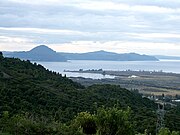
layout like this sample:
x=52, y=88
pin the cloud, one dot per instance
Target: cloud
x=157, y=37
x=14, y=43
x=119, y=47
x=44, y=31
x=63, y=22
x=100, y=5
x=6, y=39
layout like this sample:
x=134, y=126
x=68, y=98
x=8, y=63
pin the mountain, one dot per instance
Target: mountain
x=109, y=56
x=44, y=53
x=39, y=53
x=167, y=57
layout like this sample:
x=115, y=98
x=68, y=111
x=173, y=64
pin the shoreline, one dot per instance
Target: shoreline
x=147, y=82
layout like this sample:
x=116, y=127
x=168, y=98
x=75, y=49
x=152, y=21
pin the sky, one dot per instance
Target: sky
x=143, y=26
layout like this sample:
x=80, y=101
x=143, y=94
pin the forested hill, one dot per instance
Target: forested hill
x=33, y=86
x=30, y=88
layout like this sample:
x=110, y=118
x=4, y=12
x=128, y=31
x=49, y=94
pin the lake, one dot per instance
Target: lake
x=164, y=65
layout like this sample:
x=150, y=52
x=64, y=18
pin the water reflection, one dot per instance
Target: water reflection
x=87, y=75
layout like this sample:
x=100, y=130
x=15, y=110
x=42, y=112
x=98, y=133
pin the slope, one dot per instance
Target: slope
x=32, y=88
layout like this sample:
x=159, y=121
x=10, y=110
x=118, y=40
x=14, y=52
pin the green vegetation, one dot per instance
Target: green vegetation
x=163, y=131
x=34, y=100
x=105, y=121
x=1, y=55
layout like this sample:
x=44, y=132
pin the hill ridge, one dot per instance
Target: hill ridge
x=39, y=53
x=44, y=53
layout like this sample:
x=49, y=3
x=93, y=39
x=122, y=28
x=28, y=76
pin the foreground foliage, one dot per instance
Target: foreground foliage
x=105, y=121
x=33, y=98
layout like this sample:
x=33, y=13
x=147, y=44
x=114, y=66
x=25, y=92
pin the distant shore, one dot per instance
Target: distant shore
x=124, y=72
x=147, y=82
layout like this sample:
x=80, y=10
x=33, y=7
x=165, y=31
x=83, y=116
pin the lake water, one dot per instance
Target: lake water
x=164, y=65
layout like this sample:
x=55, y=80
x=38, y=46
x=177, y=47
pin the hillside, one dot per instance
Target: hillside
x=39, y=53
x=109, y=56
x=28, y=81
x=30, y=88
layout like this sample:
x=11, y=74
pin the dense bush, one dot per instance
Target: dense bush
x=35, y=99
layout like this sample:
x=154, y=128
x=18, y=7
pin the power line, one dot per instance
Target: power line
x=160, y=117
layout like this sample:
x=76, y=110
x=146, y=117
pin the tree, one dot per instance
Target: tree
x=1, y=74
x=1, y=55
x=4, y=121
x=87, y=122
x=166, y=131
x=106, y=121
x=114, y=121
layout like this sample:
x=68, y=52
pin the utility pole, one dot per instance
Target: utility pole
x=160, y=117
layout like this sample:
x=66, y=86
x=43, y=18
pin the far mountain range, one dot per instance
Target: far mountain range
x=44, y=53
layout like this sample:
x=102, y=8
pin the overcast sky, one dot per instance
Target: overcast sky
x=141, y=26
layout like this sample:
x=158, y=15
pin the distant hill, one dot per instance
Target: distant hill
x=110, y=56
x=44, y=53
x=39, y=53
x=167, y=57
